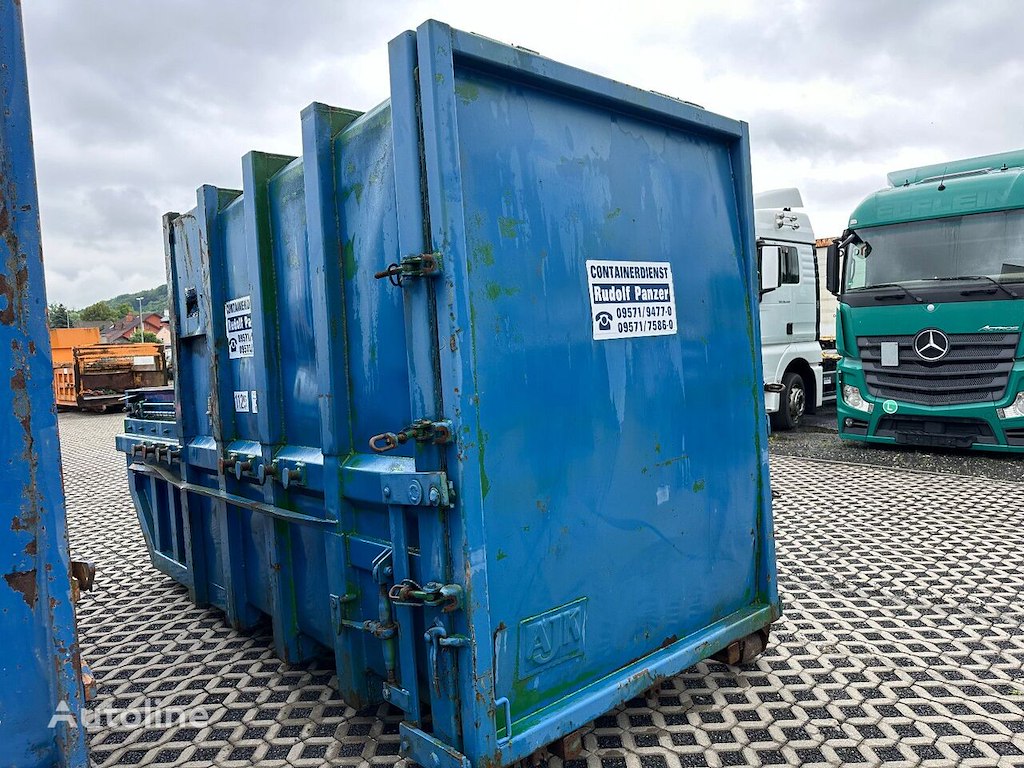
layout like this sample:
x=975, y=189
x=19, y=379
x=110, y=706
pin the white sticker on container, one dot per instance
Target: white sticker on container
x=242, y=401
x=238, y=318
x=631, y=298
x=255, y=407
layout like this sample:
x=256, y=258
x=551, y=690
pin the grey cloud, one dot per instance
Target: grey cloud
x=133, y=108
x=795, y=133
x=135, y=104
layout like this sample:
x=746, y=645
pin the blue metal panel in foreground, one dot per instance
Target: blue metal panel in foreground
x=537, y=287
x=39, y=661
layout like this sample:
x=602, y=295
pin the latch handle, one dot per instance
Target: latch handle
x=421, y=430
x=418, y=265
x=437, y=637
x=385, y=441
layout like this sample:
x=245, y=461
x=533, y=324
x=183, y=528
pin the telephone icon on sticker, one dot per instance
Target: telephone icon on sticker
x=604, y=321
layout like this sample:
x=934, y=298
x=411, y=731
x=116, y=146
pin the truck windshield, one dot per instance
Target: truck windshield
x=979, y=245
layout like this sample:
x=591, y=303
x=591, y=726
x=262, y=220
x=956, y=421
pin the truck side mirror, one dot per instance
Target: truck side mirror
x=832, y=271
x=770, y=258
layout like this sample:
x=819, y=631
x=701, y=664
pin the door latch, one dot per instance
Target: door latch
x=421, y=431
x=419, y=265
x=447, y=597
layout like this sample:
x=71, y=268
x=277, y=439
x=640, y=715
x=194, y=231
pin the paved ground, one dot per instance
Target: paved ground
x=902, y=642
x=818, y=438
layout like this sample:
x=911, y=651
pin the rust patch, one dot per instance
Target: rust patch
x=18, y=382
x=23, y=582
x=12, y=292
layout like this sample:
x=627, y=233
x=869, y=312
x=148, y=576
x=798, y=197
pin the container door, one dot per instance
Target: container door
x=597, y=356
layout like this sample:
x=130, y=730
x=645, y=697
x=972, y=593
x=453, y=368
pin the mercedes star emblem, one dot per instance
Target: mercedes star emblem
x=931, y=345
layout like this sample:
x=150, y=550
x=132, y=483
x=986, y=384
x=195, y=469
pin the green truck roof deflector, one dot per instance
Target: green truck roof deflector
x=973, y=185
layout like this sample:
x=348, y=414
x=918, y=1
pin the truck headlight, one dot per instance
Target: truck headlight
x=853, y=398
x=1014, y=410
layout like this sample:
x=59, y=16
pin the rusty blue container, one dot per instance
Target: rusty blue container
x=41, y=692
x=469, y=393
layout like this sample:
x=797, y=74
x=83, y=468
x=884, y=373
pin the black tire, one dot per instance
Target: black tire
x=792, y=402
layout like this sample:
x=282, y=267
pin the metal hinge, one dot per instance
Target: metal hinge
x=447, y=597
x=416, y=489
x=421, y=431
x=419, y=265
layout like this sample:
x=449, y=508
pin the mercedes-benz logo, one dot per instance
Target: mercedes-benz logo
x=931, y=344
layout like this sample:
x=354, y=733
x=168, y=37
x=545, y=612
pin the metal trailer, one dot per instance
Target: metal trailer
x=470, y=393
x=63, y=342
x=39, y=664
x=99, y=375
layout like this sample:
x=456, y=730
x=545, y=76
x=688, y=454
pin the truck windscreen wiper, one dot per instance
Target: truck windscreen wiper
x=883, y=296
x=996, y=283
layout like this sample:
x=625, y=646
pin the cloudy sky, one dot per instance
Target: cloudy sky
x=135, y=103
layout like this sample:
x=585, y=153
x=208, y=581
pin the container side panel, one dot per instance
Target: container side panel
x=212, y=546
x=619, y=478
x=368, y=231
x=308, y=562
x=238, y=285
x=192, y=376
x=300, y=409
x=257, y=569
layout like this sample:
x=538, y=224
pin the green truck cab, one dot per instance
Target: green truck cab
x=930, y=280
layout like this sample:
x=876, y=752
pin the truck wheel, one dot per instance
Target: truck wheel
x=792, y=402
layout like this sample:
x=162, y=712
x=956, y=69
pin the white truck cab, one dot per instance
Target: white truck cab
x=791, y=350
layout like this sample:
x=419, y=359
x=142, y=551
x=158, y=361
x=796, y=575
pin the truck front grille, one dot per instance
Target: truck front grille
x=975, y=370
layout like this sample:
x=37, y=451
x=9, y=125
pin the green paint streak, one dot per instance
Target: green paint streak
x=357, y=189
x=481, y=436
x=669, y=462
x=348, y=256
x=698, y=486
x=508, y=227
x=527, y=698
x=495, y=291
x=501, y=555
x=467, y=92
x=484, y=253
x=439, y=78
x=485, y=483
x=613, y=214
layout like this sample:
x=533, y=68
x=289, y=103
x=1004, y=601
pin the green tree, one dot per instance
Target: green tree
x=123, y=310
x=147, y=337
x=60, y=317
x=99, y=311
